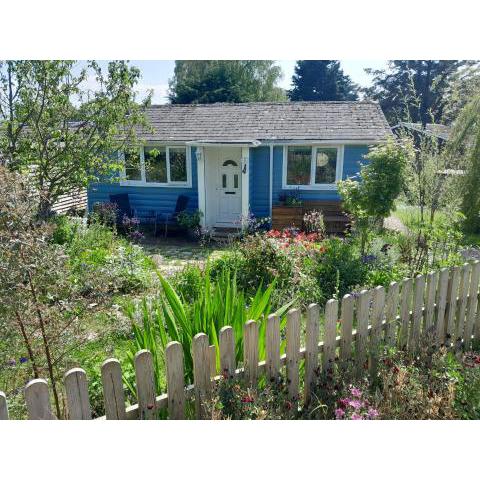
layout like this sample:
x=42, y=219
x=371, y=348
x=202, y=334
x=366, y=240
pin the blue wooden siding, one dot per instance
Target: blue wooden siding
x=161, y=199
x=260, y=181
x=351, y=165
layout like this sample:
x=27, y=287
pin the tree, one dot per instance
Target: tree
x=38, y=300
x=465, y=141
x=413, y=90
x=58, y=130
x=321, y=80
x=372, y=199
x=233, y=81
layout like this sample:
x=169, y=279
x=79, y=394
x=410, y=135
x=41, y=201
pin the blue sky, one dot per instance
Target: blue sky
x=156, y=73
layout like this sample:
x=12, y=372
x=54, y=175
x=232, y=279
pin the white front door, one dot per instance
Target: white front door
x=229, y=191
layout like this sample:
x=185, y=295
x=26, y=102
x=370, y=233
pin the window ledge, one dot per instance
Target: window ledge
x=139, y=183
x=318, y=186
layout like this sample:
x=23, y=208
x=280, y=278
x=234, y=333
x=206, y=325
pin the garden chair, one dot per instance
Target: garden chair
x=171, y=218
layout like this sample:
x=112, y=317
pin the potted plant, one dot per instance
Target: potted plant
x=190, y=223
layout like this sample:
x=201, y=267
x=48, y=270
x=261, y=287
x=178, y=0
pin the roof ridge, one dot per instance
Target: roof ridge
x=306, y=102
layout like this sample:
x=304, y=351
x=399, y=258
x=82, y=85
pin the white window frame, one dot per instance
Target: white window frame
x=169, y=183
x=312, y=185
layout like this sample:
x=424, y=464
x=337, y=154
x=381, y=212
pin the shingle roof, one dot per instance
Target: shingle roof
x=230, y=122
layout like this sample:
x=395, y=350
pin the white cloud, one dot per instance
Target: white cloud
x=160, y=92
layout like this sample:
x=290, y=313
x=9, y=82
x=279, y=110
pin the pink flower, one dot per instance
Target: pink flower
x=372, y=413
x=356, y=416
x=339, y=413
x=356, y=404
x=355, y=392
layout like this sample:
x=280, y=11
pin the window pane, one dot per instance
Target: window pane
x=326, y=165
x=235, y=181
x=224, y=181
x=156, y=164
x=132, y=166
x=178, y=164
x=298, y=165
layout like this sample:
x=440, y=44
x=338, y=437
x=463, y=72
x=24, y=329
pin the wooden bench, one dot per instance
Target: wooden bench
x=336, y=221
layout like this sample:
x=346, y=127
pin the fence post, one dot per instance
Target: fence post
x=472, y=304
x=227, y=352
x=452, y=293
x=432, y=286
x=441, y=305
x=201, y=373
x=311, y=349
x=250, y=351
x=76, y=389
x=273, y=348
x=346, y=320
x=3, y=407
x=293, y=353
x=175, y=381
x=418, y=302
x=329, y=344
x=391, y=310
x=113, y=394
x=376, y=331
x=363, y=307
x=405, y=305
x=145, y=380
x=38, y=400
x=462, y=305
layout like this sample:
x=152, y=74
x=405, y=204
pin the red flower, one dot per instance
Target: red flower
x=247, y=399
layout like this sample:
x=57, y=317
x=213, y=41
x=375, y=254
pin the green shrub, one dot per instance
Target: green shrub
x=65, y=230
x=339, y=268
x=188, y=282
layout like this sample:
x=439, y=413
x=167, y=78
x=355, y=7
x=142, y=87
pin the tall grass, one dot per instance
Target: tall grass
x=168, y=317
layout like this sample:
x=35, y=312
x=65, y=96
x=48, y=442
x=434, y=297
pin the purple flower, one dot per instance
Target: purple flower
x=356, y=404
x=356, y=392
x=339, y=413
x=23, y=359
x=356, y=416
x=372, y=413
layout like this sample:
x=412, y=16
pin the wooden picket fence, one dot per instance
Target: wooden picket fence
x=442, y=305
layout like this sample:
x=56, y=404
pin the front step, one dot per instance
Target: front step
x=222, y=234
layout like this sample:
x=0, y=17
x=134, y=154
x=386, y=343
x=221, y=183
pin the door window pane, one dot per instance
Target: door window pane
x=178, y=164
x=224, y=181
x=299, y=161
x=235, y=181
x=326, y=165
x=156, y=164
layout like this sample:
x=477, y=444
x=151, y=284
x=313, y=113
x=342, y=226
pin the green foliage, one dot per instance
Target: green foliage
x=321, y=80
x=188, y=282
x=381, y=180
x=190, y=220
x=49, y=100
x=169, y=317
x=65, y=230
x=466, y=140
x=211, y=81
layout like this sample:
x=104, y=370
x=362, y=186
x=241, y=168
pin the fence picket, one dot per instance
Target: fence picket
x=391, y=309
x=330, y=334
x=462, y=304
x=212, y=354
x=201, y=372
x=377, y=314
x=273, y=347
x=432, y=285
x=37, y=400
x=293, y=353
x=346, y=320
x=175, y=381
x=250, y=351
x=311, y=349
x=3, y=407
x=76, y=389
x=472, y=304
x=227, y=352
x=441, y=305
x=405, y=306
x=145, y=380
x=453, y=285
x=363, y=308
x=113, y=394
x=418, y=302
